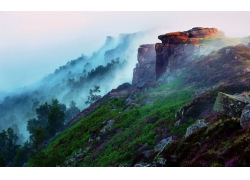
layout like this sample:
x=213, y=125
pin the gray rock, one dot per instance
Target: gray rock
x=193, y=128
x=142, y=164
x=79, y=156
x=231, y=105
x=161, y=161
x=227, y=51
x=245, y=117
x=163, y=143
x=177, y=123
x=109, y=124
x=171, y=79
x=70, y=161
x=25, y=164
x=148, y=153
x=130, y=99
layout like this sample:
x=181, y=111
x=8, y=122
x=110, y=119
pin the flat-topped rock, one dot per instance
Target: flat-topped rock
x=189, y=36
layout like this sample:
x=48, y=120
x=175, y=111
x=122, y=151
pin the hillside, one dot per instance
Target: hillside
x=194, y=114
x=187, y=105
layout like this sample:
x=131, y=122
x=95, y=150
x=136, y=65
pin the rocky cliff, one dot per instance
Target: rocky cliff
x=176, y=47
x=145, y=68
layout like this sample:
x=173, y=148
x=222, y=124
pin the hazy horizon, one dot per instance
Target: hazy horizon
x=36, y=43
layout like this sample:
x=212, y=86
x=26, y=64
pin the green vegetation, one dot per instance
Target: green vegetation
x=132, y=128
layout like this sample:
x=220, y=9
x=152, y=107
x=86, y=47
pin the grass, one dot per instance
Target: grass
x=143, y=124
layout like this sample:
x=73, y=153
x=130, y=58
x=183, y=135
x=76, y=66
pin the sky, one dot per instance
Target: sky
x=35, y=43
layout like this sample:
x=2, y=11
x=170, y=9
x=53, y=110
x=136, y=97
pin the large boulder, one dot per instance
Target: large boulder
x=230, y=105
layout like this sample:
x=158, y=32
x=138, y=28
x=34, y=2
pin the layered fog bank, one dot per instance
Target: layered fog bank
x=109, y=66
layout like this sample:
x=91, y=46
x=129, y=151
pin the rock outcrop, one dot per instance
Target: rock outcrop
x=145, y=68
x=177, y=46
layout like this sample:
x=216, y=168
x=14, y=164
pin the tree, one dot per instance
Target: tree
x=71, y=112
x=93, y=97
x=55, y=120
x=3, y=161
x=38, y=137
x=8, y=146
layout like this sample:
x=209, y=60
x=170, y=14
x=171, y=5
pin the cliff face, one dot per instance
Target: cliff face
x=145, y=68
x=176, y=47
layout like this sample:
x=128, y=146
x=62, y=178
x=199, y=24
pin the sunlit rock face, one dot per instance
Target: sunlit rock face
x=178, y=46
x=145, y=68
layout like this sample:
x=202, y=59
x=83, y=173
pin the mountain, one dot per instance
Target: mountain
x=72, y=81
x=187, y=105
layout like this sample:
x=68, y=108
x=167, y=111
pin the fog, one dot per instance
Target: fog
x=36, y=43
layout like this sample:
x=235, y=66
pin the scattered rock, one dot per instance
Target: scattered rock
x=142, y=164
x=107, y=126
x=70, y=161
x=148, y=153
x=161, y=161
x=193, y=128
x=25, y=164
x=163, y=143
x=130, y=99
x=177, y=123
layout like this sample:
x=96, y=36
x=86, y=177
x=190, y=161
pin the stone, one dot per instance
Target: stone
x=161, y=161
x=195, y=127
x=148, y=153
x=177, y=123
x=142, y=164
x=92, y=137
x=25, y=164
x=130, y=99
x=108, y=125
x=230, y=105
x=163, y=143
x=227, y=51
x=245, y=117
x=70, y=161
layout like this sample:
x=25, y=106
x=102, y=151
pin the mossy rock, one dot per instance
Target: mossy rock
x=230, y=105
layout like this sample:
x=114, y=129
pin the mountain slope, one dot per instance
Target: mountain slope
x=169, y=122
